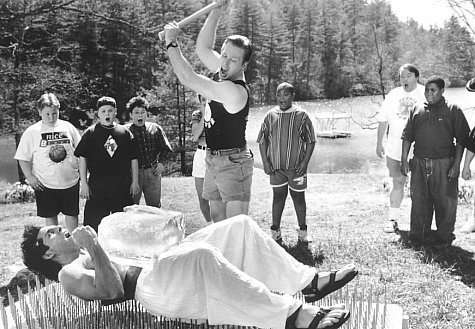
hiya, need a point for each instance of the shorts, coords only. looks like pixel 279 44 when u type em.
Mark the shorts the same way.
pixel 199 164
pixel 394 167
pixel 283 177
pixel 228 177
pixel 51 202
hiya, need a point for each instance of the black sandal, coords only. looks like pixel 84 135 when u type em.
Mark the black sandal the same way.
pixel 330 287
pixel 290 323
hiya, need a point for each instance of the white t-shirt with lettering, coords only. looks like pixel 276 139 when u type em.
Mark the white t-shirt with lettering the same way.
pixel 50 150
pixel 395 110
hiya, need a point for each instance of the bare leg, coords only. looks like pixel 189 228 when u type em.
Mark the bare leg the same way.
pixel 234 208
pixel 217 210
pixel 278 204
pixel 51 220
pixel 71 222
pixel 300 206
pixel 397 193
pixel 204 204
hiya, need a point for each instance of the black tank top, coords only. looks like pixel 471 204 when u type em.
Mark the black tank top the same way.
pixel 228 130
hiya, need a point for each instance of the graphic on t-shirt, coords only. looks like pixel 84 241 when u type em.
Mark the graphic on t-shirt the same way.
pixel 57 153
pixel 54 141
pixel 406 104
pixel 209 121
pixel 111 146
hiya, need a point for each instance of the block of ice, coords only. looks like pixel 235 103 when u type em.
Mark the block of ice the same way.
pixel 140 233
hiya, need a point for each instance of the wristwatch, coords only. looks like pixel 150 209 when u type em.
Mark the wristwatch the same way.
pixel 172 44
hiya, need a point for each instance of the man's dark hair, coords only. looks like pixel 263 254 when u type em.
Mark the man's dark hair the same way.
pixel 106 101
pixel 33 250
pixel 137 101
pixel 437 80
pixel 243 43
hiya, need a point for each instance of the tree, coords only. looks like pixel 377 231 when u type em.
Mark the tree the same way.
pixel 458 46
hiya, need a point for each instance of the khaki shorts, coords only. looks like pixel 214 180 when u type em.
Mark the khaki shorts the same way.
pixel 394 167
pixel 228 177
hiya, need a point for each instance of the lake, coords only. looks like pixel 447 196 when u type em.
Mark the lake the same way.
pixel 352 155
pixel 355 154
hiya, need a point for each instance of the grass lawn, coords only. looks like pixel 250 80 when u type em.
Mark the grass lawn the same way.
pixel 346 214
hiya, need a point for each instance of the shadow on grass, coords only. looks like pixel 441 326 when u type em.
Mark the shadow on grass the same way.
pixel 303 253
pixel 457 260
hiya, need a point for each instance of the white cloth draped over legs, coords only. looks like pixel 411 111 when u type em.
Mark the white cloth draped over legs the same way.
pixel 225 273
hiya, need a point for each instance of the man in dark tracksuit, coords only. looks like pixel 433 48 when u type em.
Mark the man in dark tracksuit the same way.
pixel 436 164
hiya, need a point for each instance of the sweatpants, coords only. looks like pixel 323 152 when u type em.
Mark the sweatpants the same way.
pixel 227 273
pixel 431 192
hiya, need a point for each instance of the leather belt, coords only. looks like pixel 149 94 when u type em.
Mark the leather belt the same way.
pixel 227 151
pixel 147 166
pixel 201 147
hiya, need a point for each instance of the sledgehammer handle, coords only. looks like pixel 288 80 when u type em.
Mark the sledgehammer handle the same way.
pixel 193 17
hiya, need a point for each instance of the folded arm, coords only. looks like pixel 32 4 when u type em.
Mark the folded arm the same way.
pixel 102 281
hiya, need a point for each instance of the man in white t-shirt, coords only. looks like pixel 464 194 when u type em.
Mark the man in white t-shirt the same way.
pixel 46 157
pixel 392 118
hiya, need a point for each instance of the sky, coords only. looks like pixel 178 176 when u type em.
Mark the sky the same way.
pixel 426 12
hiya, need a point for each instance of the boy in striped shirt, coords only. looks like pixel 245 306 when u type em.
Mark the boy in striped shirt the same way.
pixel 286 143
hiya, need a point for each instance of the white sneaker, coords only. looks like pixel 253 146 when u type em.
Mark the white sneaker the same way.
pixel 391 226
pixel 304 237
pixel 277 235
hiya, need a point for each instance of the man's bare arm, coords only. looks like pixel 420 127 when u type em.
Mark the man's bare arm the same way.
pixel 233 96
pixel 207 38
pixel 101 283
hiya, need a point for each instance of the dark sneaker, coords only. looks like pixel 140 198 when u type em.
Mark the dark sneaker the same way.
pixel 304 237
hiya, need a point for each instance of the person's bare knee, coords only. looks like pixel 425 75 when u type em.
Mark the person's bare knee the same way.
pixel 399 182
pixel 217 210
pixel 234 208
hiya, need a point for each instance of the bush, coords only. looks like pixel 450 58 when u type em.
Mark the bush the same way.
pixel 16 193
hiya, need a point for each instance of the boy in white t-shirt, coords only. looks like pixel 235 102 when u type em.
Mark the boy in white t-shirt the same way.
pixel 46 157
pixel 392 119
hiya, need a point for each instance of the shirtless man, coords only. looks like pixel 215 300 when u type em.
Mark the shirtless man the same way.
pixel 229 163
pixel 220 273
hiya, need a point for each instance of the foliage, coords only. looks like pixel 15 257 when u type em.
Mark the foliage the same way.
pixel 16 193
pixel 84 49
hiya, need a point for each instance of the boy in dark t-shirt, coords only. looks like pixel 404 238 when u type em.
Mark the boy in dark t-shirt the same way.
pixel 108 152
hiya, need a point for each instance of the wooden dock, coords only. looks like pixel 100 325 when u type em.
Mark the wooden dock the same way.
pixel 333 124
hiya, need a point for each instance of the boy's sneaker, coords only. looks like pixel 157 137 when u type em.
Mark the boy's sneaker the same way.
pixel 391 227
pixel 277 235
pixel 304 237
